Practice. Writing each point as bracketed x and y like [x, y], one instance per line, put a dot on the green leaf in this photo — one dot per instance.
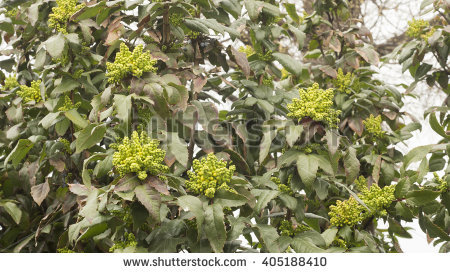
[75, 117]
[194, 205]
[329, 235]
[266, 142]
[437, 127]
[151, 200]
[215, 227]
[55, 45]
[89, 136]
[89, 12]
[293, 132]
[196, 25]
[66, 85]
[307, 166]
[422, 197]
[416, 154]
[292, 65]
[396, 227]
[435, 231]
[49, 120]
[351, 165]
[122, 105]
[177, 147]
[301, 245]
[252, 9]
[19, 152]
[267, 236]
[264, 197]
[229, 199]
[292, 11]
[13, 210]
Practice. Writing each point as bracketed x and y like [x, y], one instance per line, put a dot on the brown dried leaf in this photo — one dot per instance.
[58, 164]
[199, 82]
[356, 124]
[242, 62]
[40, 192]
[158, 185]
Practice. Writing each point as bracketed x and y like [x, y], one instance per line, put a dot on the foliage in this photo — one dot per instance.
[143, 126]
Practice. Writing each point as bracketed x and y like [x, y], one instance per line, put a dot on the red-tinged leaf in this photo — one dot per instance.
[356, 124]
[158, 185]
[242, 62]
[199, 82]
[329, 71]
[368, 54]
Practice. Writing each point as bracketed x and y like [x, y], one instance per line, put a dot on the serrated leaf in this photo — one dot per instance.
[194, 205]
[76, 118]
[422, 197]
[215, 227]
[351, 165]
[89, 136]
[19, 152]
[150, 199]
[55, 45]
[307, 166]
[288, 62]
[264, 197]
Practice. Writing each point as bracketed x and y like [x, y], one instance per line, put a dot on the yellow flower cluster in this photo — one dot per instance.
[209, 175]
[346, 82]
[267, 80]
[139, 155]
[283, 187]
[10, 83]
[350, 212]
[443, 186]
[373, 125]
[135, 62]
[248, 50]
[61, 14]
[66, 145]
[287, 229]
[175, 19]
[284, 73]
[130, 240]
[68, 104]
[32, 93]
[315, 103]
[416, 28]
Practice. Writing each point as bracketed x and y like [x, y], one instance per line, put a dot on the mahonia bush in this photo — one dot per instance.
[10, 83]
[345, 82]
[373, 125]
[136, 63]
[62, 13]
[315, 103]
[139, 155]
[32, 93]
[350, 212]
[209, 175]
